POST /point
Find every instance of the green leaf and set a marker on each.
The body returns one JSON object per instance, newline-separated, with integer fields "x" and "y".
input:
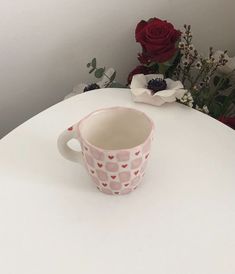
{"x": 88, "y": 65}
{"x": 204, "y": 93}
{"x": 91, "y": 70}
{"x": 113, "y": 77}
{"x": 153, "y": 67}
{"x": 216, "y": 80}
{"x": 93, "y": 62}
{"x": 162, "y": 68}
{"x": 221, "y": 99}
{"x": 232, "y": 95}
{"x": 99, "y": 72}
{"x": 170, "y": 72}
{"x": 215, "y": 108}
{"x": 171, "y": 61}
{"x": 226, "y": 84}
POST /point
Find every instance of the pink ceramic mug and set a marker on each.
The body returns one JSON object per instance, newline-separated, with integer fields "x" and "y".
{"x": 115, "y": 145}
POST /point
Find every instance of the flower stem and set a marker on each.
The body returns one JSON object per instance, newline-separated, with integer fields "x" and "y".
{"x": 109, "y": 83}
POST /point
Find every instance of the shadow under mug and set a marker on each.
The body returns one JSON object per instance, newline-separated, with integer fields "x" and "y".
{"x": 115, "y": 146}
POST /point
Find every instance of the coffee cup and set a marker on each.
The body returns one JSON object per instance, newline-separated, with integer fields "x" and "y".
{"x": 115, "y": 147}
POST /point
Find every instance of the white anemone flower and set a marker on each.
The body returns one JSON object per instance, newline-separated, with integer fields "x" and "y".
{"x": 102, "y": 84}
{"x": 140, "y": 92}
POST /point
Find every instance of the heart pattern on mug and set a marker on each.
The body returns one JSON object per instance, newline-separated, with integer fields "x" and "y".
{"x": 118, "y": 172}
{"x": 136, "y": 172}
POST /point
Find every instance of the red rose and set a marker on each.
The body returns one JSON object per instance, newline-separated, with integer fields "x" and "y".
{"x": 229, "y": 121}
{"x": 158, "y": 40}
{"x": 139, "y": 69}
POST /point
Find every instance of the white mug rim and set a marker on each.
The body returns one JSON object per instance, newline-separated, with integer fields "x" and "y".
{"x": 80, "y": 137}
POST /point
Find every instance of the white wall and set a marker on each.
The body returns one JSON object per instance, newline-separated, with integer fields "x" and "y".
{"x": 45, "y": 45}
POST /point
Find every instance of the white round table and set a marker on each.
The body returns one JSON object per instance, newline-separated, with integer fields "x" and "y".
{"x": 181, "y": 220}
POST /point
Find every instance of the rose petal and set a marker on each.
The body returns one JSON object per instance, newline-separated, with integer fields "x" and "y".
{"x": 138, "y": 31}
{"x": 158, "y": 40}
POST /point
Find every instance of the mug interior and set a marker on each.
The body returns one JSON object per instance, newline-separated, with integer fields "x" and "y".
{"x": 116, "y": 128}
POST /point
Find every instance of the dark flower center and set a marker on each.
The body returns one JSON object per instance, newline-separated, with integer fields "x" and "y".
{"x": 156, "y": 85}
{"x": 91, "y": 87}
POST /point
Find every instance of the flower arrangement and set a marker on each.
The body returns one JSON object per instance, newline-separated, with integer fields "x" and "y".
{"x": 105, "y": 77}
{"x": 208, "y": 80}
{"x": 171, "y": 69}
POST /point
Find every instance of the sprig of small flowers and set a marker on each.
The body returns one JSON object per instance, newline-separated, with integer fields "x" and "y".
{"x": 204, "y": 109}
{"x": 187, "y": 99}
{"x": 194, "y": 70}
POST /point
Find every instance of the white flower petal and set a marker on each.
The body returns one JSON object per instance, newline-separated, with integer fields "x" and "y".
{"x": 180, "y": 93}
{"x": 171, "y": 84}
{"x": 138, "y": 81}
{"x": 165, "y": 93}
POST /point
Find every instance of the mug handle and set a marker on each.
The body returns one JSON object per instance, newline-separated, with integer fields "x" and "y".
{"x": 65, "y": 150}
